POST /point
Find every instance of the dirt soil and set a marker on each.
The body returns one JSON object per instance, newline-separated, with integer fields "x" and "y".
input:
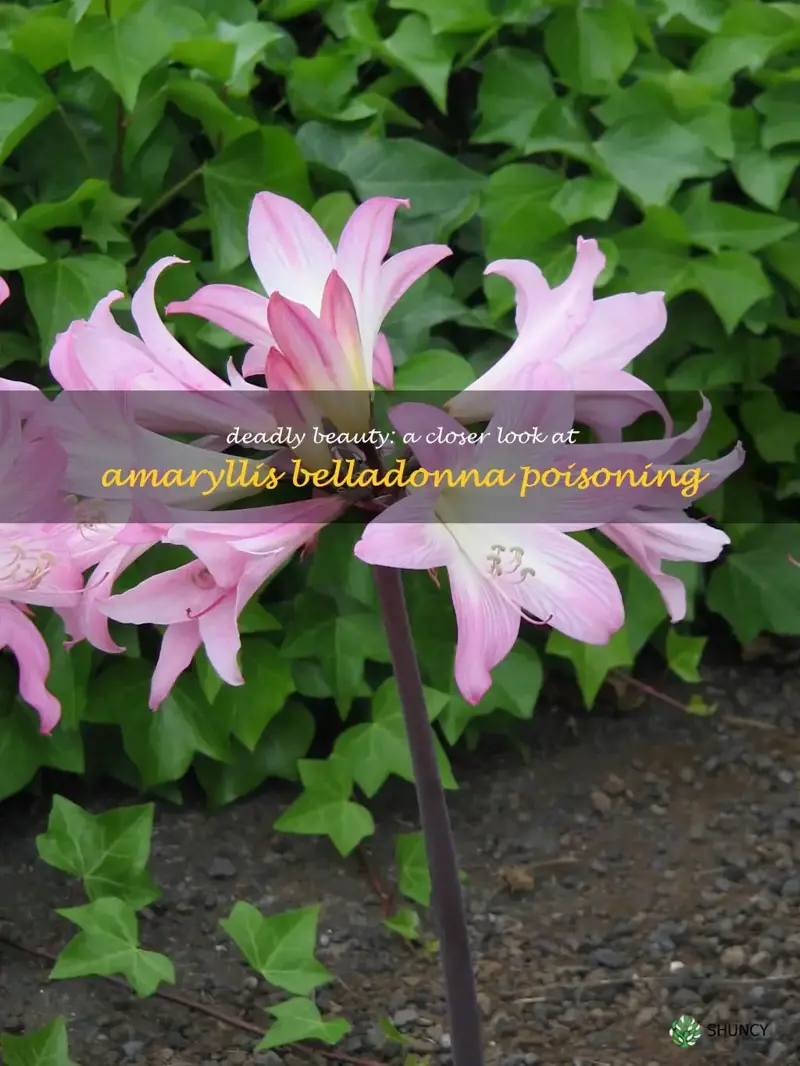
{"x": 641, "y": 866}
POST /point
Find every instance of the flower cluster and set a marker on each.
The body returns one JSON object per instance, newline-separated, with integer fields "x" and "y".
{"x": 315, "y": 341}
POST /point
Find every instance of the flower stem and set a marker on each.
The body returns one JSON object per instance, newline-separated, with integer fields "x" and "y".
{"x": 447, "y": 898}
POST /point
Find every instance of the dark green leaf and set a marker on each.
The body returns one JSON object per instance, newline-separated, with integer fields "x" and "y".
{"x": 122, "y": 51}
{"x": 67, "y": 289}
{"x": 268, "y": 160}
{"x": 24, "y": 101}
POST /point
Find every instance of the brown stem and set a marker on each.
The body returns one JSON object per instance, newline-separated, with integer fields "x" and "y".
{"x": 209, "y": 1009}
{"x": 648, "y": 690}
{"x": 447, "y": 897}
{"x": 385, "y": 896}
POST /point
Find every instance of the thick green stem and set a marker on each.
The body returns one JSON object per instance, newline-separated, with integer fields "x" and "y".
{"x": 448, "y": 900}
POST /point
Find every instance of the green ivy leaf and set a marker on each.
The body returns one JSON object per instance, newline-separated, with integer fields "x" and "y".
{"x": 121, "y": 51}
{"x": 248, "y": 709}
{"x": 515, "y": 88}
{"x": 592, "y": 662}
{"x": 784, "y": 259}
{"x": 750, "y": 34}
{"x": 325, "y": 807}
{"x": 559, "y": 129}
{"x": 721, "y": 225}
{"x": 584, "y": 198}
{"x": 68, "y": 289}
{"x": 405, "y": 922}
{"x": 200, "y": 101}
{"x": 15, "y": 254}
{"x": 732, "y": 282}
{"x": 318, "y": 86}
{"x": 286, "y": 739}
{"x": 279, "y": 947}
{"x": 775, "y": 430}
{"x": 109, "y": 945}
{"x": 47, "y": 1046}
{"x": 342, "y": 644}
{"x": 414, "y": 879}
{"x": 516, "y": 684}
{"x": 781, "y": 111}
{"x": 757, "y": 589}
{"x": 20, "y": 751}
{"x": 684, "y": 654}
{"x": 517, "y": 212}
{"x": 379, "y": 748}
{"x": 591, "y": 47}
{"x": 435, "y": 371}
{"x": 43, "y": 40}
{"x": 25, "y": 101}
{"x": 651, "y": 157}
{"x": 435, "y": 183}
{"x": 332, "y": 212}
{"x": 428, "y": 59}
{"x": 764, "y": 176}
{"x": 162, "y": 745}
{"x": 450, "y": 16}
{"x": 299, "y": 1019}
{"x": 108, "y": 851}
{"x": 268, "y": 160}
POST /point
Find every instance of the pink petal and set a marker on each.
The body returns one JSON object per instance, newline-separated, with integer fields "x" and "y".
{"x": 551, "y": 320}
{"x": 406, "y": 536}
{"x": 220, "y": 634}
{"x": 608, "y": 401}
{"x": 618, "y": 329}
{"x": 377, "y": 286}
{"x": 541, "y": 399}
{"x": 288, "y": 250}
{"x": 33, "y": 659}
{"x": 648, "y": 544}
{"x": 232, "y": 307}
{"x": 254, "y": 361}
{"x": 425, "y": 428}
{"x": 488, "y": 627}
{"x": 178, "y": 647}
{"x": 164, "y": 348}
{"x": 5, "y": 292}
{"x": 285, "y": 526}
{"x": 102, "y": 317}
{"x": 531, "y": 288}
{"x": 382, "y": 363}
{"x": 92, "y": 619}
{"x": 338, "y": 316}
{"x": 400, "y": 272}
{"x": 164, "y": 599}
{"x": 237, "y": 381}
{"x": 570, "y": 589}
{"x": 363, "y": 246}
{"x": 315, "y": 356}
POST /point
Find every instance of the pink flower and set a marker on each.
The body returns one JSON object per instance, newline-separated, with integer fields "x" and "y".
{"x": 200, "y": 602}
{"x": 593, "y": 340}
{"x": 33, "y": 398}
{"x": 500, "y": 572}
{"x": 34, "y": 570}
{"x": 99, "y": 435}
{"x": 20, "y": 635}
{"x": 293, "y": 257}
{"x": 669, "y": 536}
{"x": 99, "y": 356}
{"x": 320, "y": 355}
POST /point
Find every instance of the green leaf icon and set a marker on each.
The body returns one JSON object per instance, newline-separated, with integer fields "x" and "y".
{"x": 685, "y": 1031}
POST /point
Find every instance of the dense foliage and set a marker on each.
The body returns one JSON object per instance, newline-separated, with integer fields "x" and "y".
{"x": 668, "y": 130}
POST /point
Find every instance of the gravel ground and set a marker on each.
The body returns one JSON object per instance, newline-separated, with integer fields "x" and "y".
{"x": 640, "y": 866}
